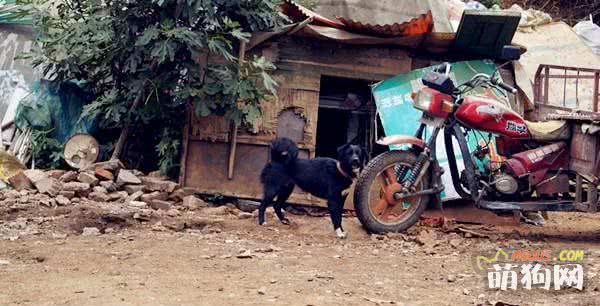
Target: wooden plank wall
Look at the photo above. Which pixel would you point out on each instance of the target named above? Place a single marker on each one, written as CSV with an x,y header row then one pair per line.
x,y
300,64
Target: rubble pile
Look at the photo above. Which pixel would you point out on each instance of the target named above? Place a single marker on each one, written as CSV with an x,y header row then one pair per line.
x,y
106,182
101,182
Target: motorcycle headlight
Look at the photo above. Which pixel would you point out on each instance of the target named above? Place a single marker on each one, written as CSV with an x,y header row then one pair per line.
x,y
423,100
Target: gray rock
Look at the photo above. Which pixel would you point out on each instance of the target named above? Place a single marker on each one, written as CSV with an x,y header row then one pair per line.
x,y
159,204
156,195
135,196
126,177
42,182
137,204
76,186
61,200
131,189
89,178
247,205
67,194
68,176
117,196
109,186
98,197
100,189
90,231
193,203
155,184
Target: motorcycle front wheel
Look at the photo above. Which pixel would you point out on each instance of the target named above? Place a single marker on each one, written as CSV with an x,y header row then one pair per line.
x,y
376,211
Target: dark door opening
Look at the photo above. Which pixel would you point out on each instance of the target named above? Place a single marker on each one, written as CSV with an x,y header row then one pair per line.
x,y
346,115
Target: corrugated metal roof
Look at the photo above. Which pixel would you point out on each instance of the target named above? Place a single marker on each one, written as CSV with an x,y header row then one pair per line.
x,y
298,13
419,25
385,18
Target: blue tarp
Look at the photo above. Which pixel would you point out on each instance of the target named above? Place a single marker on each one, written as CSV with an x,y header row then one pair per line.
x,y
56,108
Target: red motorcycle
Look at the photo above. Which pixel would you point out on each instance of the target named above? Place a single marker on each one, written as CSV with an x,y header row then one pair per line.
x,y
534,175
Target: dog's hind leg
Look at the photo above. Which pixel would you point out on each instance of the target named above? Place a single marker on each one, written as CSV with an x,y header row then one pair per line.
x,y
281,204
268,196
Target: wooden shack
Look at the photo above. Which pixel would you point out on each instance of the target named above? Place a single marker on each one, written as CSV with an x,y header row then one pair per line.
x,y
324,71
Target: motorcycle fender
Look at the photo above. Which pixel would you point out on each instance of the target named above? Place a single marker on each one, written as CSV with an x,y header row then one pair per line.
x,y
401,139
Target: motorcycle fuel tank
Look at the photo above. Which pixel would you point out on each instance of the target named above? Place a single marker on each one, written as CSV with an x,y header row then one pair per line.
x,y
488,115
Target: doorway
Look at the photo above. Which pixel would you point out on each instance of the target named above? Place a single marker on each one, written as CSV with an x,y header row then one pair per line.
x,y
347,114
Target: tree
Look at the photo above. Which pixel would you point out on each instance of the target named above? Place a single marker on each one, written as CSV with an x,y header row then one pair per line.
x,y
141,59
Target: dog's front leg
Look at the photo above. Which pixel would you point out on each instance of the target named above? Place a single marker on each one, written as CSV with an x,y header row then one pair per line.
x,y
335,206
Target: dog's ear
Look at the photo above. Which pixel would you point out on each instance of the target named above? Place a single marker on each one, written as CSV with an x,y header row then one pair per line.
x,y
341,150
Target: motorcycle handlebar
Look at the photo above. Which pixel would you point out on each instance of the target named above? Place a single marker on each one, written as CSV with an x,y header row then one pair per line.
x,y
504,86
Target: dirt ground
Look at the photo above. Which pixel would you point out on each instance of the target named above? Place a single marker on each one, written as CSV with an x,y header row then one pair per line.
x,y
45,260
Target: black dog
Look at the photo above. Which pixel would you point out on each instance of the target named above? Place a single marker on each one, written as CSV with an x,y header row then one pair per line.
x,y
323,177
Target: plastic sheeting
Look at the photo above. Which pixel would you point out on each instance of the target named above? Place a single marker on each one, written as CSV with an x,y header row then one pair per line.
x,y
56,108
590,33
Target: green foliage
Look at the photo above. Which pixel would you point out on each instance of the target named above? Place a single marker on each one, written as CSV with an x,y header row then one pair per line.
x,y
46,151
149,51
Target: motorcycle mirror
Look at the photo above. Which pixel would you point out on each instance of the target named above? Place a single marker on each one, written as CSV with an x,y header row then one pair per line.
x,y
510,53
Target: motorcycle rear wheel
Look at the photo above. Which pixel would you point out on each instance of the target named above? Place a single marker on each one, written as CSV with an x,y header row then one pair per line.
x,y
375,213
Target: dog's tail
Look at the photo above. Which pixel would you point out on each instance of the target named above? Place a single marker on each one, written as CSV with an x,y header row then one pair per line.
x,y
284,150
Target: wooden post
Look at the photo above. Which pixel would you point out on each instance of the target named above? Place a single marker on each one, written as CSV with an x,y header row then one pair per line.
x,y
233,127
125,131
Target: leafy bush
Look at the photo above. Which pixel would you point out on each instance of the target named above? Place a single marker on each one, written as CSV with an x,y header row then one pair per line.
x,y
143,58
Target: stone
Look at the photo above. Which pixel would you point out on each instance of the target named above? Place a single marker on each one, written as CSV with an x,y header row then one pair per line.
x,y
86,177
455,242
67,194
57,174
156,195
125,177
69,176
175,225
135,196
466,291
247,205
80,189
109,186
244,254
160,204
451,278
76,186
155,184
262,290
61,200
193,203
216,211
117,195
137,204
143,214
131,189
42,182
98,196
4,262
99,189
110,165
90,231
103,174
181,193
20,181
173,212
244,215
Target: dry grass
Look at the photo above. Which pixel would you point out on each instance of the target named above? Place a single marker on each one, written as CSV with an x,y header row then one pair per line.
x,y
569,11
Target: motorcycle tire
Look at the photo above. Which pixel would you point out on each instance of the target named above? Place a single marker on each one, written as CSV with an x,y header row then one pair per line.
x,y
362,193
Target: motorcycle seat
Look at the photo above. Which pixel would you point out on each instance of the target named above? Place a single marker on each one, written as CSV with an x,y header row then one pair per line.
x,y
549,130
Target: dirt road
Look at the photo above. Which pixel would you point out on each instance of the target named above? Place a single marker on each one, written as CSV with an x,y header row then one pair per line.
x,y
236,262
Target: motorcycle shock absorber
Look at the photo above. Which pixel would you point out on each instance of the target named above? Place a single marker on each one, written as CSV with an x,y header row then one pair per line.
x,y
416,171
